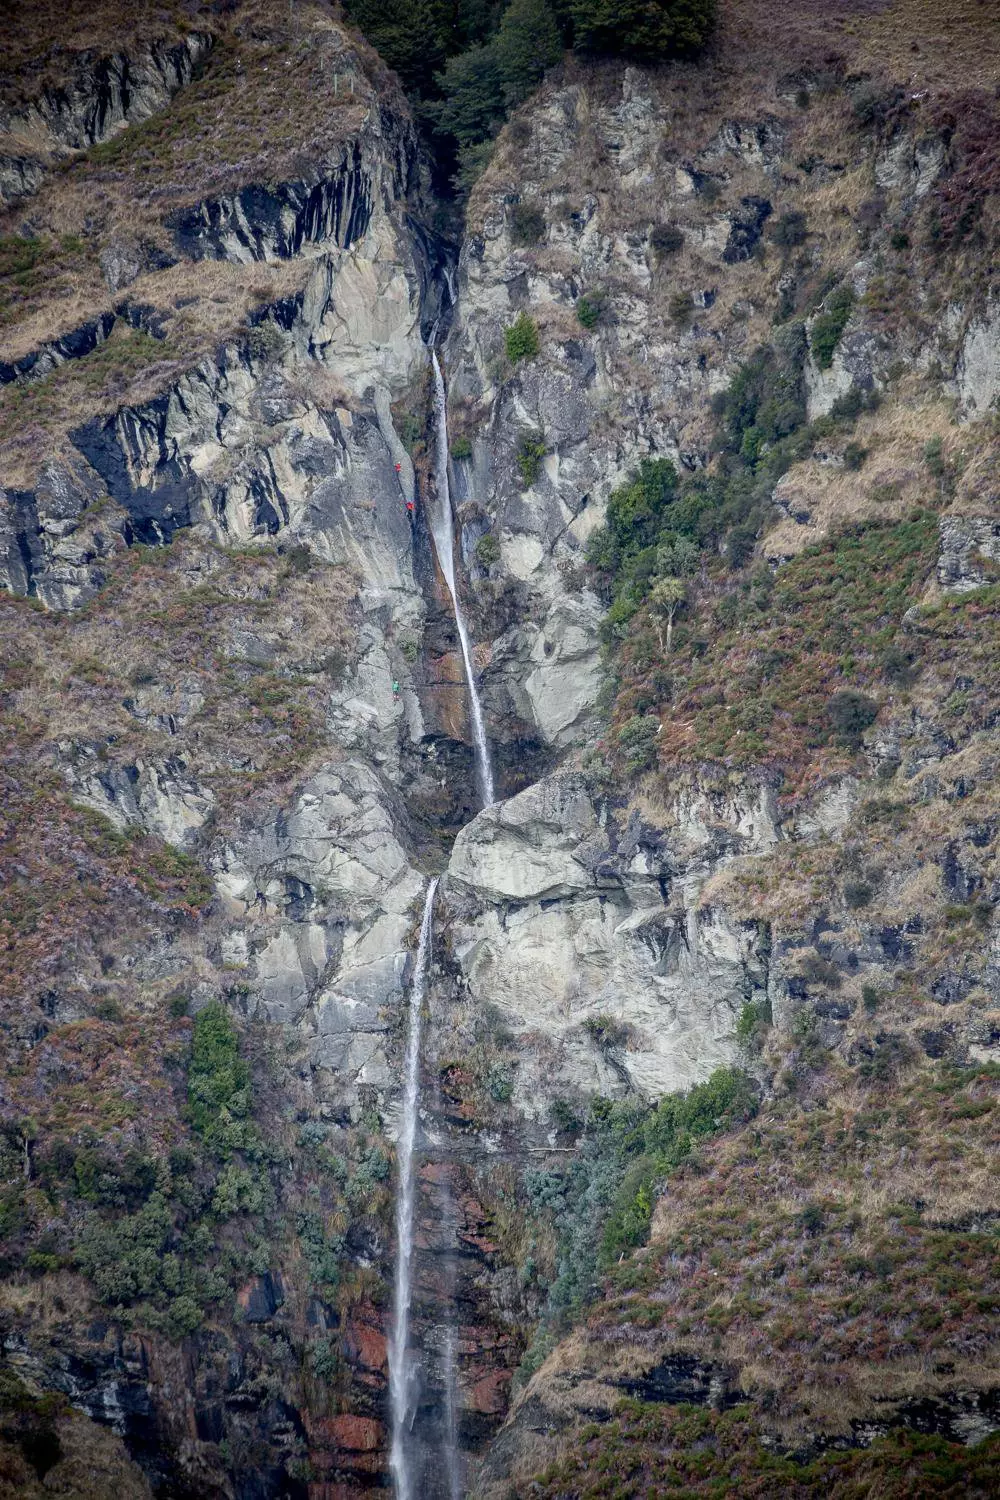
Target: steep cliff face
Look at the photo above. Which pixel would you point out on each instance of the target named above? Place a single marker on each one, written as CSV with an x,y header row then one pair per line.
x,y
238,743
774,895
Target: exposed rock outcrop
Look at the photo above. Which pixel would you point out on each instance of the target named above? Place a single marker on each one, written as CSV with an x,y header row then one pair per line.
x,y
585,925
101,98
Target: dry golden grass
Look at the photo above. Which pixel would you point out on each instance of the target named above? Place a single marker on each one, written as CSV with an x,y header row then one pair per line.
x,y
934,44
141,642
203,302
893,479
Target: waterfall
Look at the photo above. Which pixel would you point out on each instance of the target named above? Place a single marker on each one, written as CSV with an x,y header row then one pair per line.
x,y
442,529
402,1372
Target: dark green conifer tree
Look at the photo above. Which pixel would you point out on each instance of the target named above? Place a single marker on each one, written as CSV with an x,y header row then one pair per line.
x,y
647,29
526,45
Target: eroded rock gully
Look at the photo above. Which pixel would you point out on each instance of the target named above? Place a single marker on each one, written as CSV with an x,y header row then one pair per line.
x,y
567,902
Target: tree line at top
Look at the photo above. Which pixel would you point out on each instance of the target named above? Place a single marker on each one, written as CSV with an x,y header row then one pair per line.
x,y
468,63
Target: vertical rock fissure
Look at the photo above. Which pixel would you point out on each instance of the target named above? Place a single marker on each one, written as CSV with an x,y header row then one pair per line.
x,y
403,1374
442,530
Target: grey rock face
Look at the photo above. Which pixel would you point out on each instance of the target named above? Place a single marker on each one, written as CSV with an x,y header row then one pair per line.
x,y
158,795
969,545
48,547
589,936
261,223
319,913
977,374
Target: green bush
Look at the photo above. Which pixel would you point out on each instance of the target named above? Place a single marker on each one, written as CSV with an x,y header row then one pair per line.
x,y
521,339
527,224
934,458
854,457
500,1084
897,667
218,1078
752,1024
600,1205
487,551
526,44
564,1117
637,742
461,447
850,713
606,1032
589,309
530,452
266,342
857,893
322,1252
824,336
325,1359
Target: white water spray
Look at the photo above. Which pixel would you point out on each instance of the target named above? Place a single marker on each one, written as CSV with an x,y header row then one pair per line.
x,y
442,530
402,1369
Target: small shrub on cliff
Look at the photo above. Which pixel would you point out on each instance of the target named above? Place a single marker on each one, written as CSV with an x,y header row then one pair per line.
x,y
500,1084
521,339
637,742
850,714
828,326
752,1024
218,1077
666,239
530,452
681,309
790,229
266,342
857,894
527,224
461,448
589,309
606,1032
487,551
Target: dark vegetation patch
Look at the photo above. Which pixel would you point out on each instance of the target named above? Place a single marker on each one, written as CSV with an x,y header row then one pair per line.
x,y
173,1185
599,1207
771,1240
649,1450
970,123
754,664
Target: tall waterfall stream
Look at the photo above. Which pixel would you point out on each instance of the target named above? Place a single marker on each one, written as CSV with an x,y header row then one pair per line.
x,y
402,1374
442,524
403,1369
